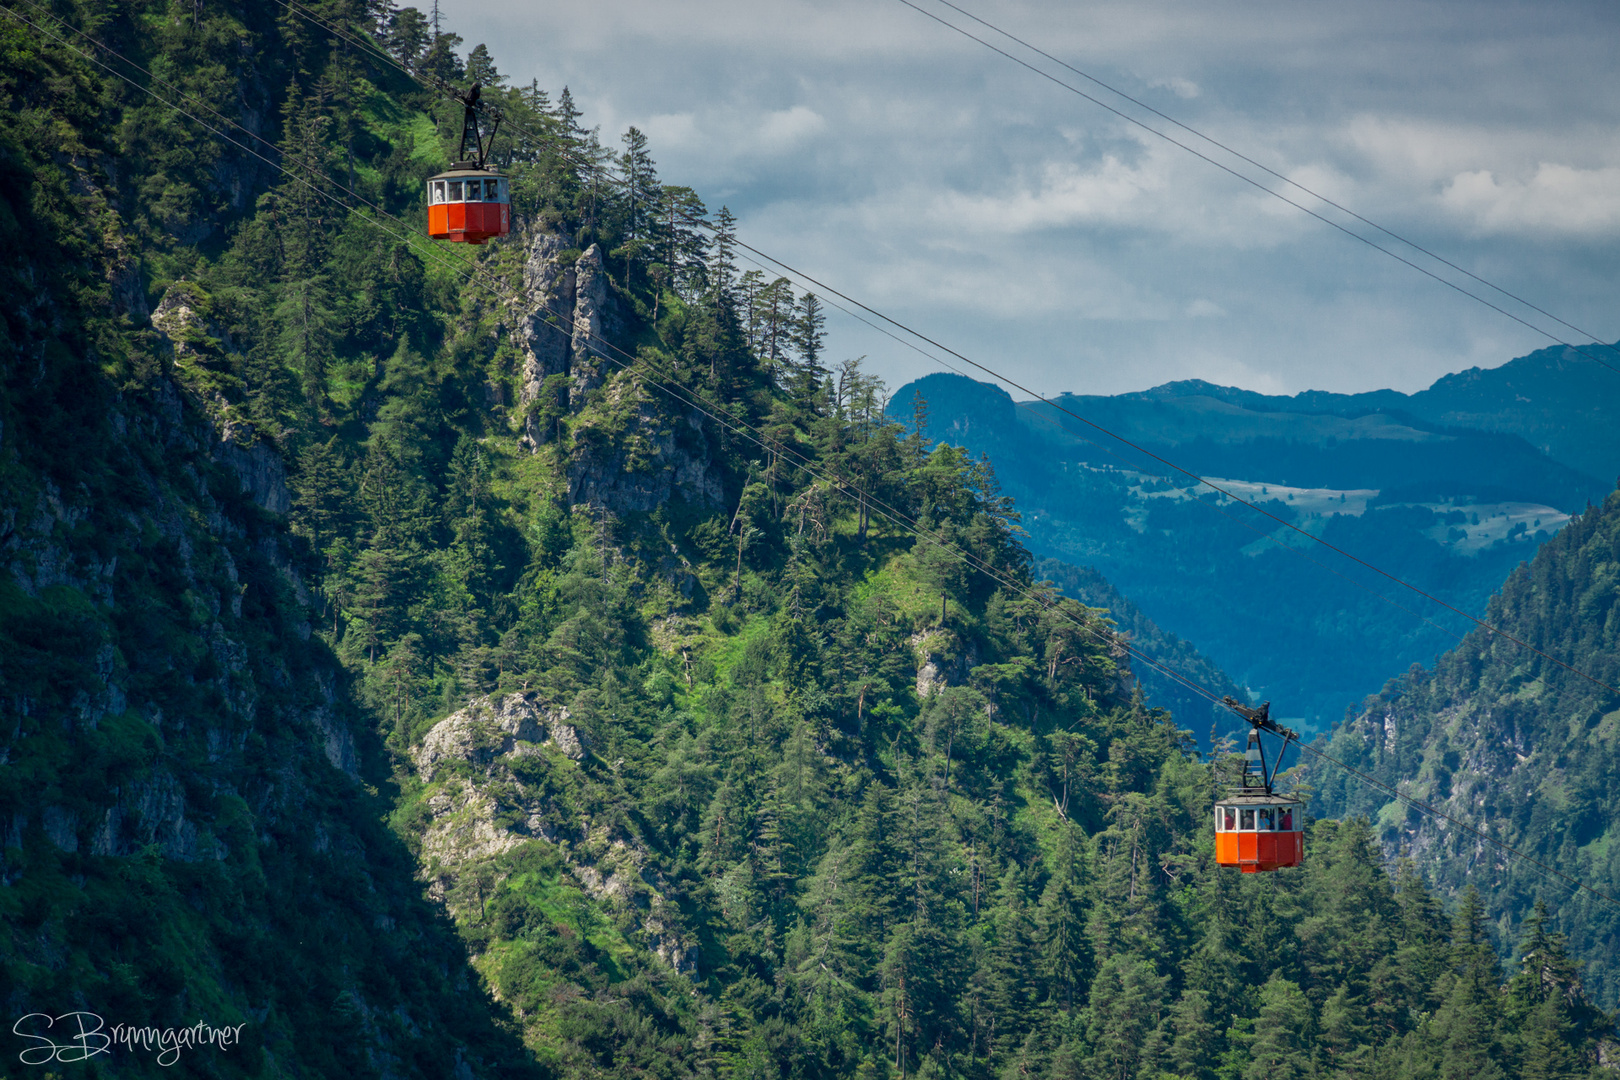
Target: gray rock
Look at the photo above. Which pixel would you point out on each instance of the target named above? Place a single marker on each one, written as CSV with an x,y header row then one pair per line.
x,y
61,828
545,329
590,325
258,466
490,727
643,464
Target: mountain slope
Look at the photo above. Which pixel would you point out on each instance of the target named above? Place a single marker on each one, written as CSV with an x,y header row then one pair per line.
x,y
1188,707
1554,399
1514,743
190,800
719,726
1449,511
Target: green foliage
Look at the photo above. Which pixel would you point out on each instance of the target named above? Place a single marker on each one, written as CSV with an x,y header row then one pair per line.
x,y
817,796
1213,572
1512,741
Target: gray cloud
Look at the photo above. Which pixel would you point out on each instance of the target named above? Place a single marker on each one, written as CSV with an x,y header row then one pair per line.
x,y
1032,230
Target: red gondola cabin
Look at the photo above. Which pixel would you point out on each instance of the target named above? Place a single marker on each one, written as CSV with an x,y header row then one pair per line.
x,y
469,206
1257,829
472,202
1259,832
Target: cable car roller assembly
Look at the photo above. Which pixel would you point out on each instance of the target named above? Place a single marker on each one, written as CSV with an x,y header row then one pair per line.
x,y
471,203
1256,829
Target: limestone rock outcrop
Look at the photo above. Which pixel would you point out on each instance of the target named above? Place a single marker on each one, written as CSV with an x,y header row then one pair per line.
x,y
546,330
630,455
478,764
258,466
492,726
590,325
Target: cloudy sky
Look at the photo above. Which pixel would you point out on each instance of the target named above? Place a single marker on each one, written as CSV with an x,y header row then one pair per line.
x,y
1032,230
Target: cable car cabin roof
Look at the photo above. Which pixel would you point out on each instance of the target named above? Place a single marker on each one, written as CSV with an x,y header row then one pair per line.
x,y
1257,798
476,174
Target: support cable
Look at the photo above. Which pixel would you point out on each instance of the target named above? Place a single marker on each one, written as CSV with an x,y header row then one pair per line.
x,y
1480,623
1425,271
1280,176
292,5
906,524
1048,418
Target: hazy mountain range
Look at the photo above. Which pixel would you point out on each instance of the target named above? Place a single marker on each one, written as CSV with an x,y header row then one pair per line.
x,y
1395,480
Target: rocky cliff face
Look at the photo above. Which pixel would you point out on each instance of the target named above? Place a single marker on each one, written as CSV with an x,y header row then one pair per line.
x,y
545,331
192,335
631,454
593,316
166,715
569,311
486,772
1512,743
629,451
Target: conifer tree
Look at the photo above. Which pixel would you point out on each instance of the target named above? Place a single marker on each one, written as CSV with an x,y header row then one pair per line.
x,y
1060,923
440,60
1279,1048
322,494
481,68
722,263
407,36
1467,1023
810,338
1554,1022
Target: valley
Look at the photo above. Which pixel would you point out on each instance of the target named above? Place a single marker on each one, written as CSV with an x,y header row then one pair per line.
x,y
554,658
1449,510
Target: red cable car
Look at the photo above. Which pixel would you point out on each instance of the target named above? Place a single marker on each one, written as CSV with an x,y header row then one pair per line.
x,y
1255,828
472,202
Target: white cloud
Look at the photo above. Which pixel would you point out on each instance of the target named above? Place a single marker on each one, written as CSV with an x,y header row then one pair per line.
x,y
787,128
671,131
1185,89
916,170
1067,195
1555,199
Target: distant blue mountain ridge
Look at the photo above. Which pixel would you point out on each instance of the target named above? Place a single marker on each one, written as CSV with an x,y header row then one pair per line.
x,y
1448,489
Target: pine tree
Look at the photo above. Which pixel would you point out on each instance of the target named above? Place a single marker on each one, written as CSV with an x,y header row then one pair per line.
x,y
1279,1049
322,494
722,263
810,338
1123,1013
641,200
407,36
440,60
1467,1024
481,68
1060,924
1554,1022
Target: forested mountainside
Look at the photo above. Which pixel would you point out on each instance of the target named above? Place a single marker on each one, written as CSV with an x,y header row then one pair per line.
x,y
389,671
1452,511
1191,709
192,799
1514,743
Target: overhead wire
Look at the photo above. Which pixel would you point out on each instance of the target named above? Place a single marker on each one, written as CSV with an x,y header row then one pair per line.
x,y
682,394
363,39
696,401
1206,482
1001,378
1175,676
1425,271
1056,422
1290,181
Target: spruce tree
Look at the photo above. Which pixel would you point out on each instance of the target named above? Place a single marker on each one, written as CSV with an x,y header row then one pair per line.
x,y
1467,1023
